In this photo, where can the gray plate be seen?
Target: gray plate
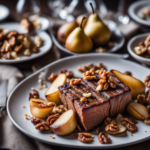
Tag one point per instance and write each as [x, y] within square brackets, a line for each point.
[117, 38]
[19, 98]
[135, 10]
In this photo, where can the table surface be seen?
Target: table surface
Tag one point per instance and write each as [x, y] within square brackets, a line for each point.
[26, 69]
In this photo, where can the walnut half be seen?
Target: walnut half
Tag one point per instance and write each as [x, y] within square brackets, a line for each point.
[42, 126]
[33, 94]
[52, 118]
[103, 138]
[85, 137]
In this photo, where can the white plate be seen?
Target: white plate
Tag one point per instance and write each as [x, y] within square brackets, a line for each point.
[116, 37]
[47, 43]
[19, 97]
[4, 12]
[133, 43]
[135, 11]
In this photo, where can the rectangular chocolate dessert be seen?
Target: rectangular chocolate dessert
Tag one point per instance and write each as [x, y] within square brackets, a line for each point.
[99, 105]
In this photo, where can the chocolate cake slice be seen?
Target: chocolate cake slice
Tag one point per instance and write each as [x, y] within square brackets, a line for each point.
[99, 105]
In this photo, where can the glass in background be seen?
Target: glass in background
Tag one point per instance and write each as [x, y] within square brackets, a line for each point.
[27, 8]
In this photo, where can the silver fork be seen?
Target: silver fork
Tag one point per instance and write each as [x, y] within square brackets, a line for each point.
[3, 93]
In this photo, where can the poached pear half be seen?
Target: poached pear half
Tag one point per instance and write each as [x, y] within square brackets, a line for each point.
[97, 30]
[78, 41]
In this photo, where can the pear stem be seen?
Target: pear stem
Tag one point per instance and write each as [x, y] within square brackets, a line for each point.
[92, 8]
[82, 22]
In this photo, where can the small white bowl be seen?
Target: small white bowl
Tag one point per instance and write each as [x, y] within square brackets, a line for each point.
[133, 43]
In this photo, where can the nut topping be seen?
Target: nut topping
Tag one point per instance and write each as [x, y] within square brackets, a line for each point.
[87, 94]
[36, 121]
[144, 99]
[128, 73]
[75, 81]
[52, 118]
[60, 109]
[12, 41]
[129, 124]
[112, 128]
[107, 121]
[147, 121]
[12, 33]
[89, 75]
[85, 137]
[103, 138]
[68, 73]
[147, 81]
[83, 99]
[42, 126]
[52, 77]
[147, 97]
[33, 94]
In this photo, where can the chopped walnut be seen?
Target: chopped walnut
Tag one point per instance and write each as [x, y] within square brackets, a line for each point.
[52, 118]
[112, 128]
[129, 124]
[6, 47]
[85, 137]
[27, 52]
[7, 55]
[68, 73]
[33, 94]
[36, 121]
[81, 69]
[38, 41]
[107, 121]
[103, 138]
[75, 81]
[12, 33]
[89, 75]
[27, 25]
[141, 99]
[100, 66]
[147, 81]
[83, 99]
[147, 121]
[128, 73]
[139, 50]
[52, 77]
[20, 38]
[35, 49]
[13, 54]
[18, 48]
[59, 109]
[100, 50]
[42, 126]
[12, 41]
[98, 130]
[26, 42]
[87, 94]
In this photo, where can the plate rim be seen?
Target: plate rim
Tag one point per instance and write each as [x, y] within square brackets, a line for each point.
[28, 58]
[70, 145]
[63, 49]
[131, 9]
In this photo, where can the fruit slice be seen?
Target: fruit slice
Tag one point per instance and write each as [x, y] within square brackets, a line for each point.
[65, 124]
[52, 94]
[40, 108]
[136, 86]
[137, 110]
[118, 121]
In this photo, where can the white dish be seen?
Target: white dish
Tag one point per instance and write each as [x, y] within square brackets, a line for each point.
[135, 11]
[117, 38]
[47, 43]
[19, 97]
[133, 43]
[4, 12]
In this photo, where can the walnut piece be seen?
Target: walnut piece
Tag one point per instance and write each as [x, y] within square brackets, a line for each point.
[87, 94]
[36, 121]
[13, 54]
[85, 137]
[103, 138]
[42, 126]
[129, 124]
[52, 118]
[27, 52]
[38, 41]
[27, 25]
[128, 73]
[89, 75]
[83, 99]
[52, 77]
[26, 42]
[139, 50]
[112, 128]
[141, 99]
[147, 81]
[7, 55]
[147, 121]
[107, 121]
[20, 38]
[147, 97]
[2, 36]
[35, 49]
[12, 33]
[68, 73]
[75, 81]
[12, 41]
[18, 48]
[59, 109]
[33, 94]
[147, 41]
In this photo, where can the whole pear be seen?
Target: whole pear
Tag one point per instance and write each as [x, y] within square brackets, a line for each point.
[65, 30]
[78, 41]
[97, 30]
[79, 19]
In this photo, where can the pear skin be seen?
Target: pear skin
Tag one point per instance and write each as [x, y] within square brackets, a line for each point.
[137, 87]
[65, 30]
[79, 20]
[78, 42]
[97, 30]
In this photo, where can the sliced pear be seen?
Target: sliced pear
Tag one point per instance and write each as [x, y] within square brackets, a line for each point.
[65, 124]
[52, 94]
[138, 111]
[118, 121]
[40, 108]
[137, 87]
